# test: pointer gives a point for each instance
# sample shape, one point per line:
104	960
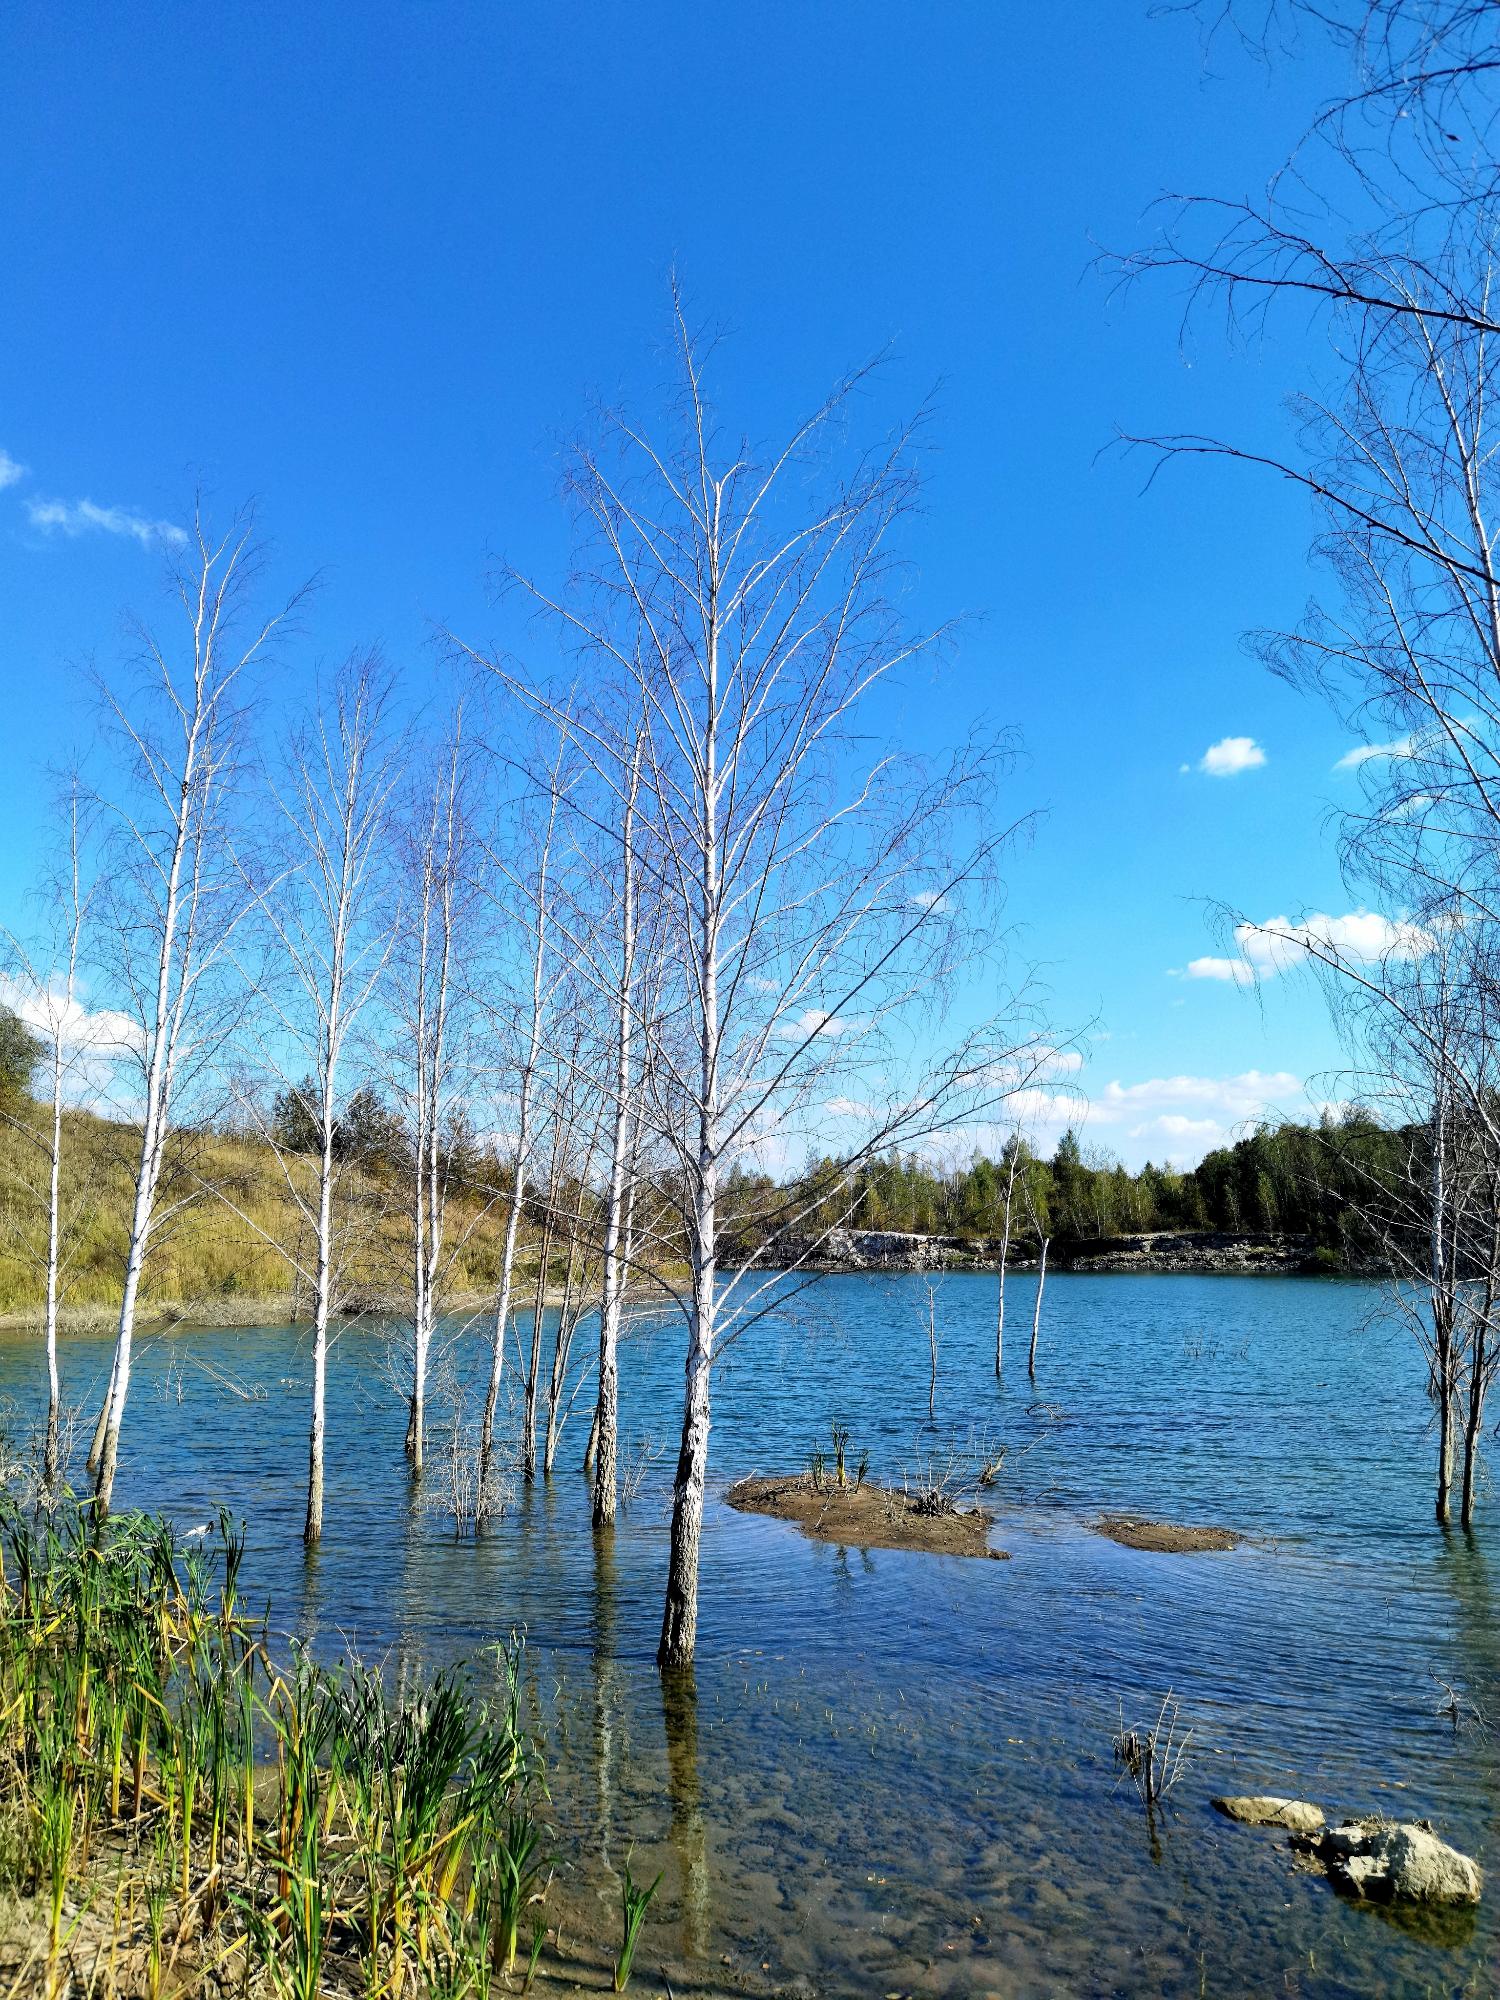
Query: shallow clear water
894	1774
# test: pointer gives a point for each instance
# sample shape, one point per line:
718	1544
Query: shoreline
276	1309
855	1253
1159	1253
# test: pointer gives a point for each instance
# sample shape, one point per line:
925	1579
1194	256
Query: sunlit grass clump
177	1812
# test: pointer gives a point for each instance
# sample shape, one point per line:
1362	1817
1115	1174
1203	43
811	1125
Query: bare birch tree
624	1118
431	1055
1035	1216
173	896
1389	239
812	902
73	1043
1423	1016
326	904
1007	1210
523	887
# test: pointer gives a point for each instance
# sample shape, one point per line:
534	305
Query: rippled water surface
893	1774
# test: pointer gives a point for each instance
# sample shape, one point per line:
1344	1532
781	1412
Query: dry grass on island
861	1514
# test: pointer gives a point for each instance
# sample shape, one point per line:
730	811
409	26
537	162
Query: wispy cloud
1367	753
80	517
848	1107
813	1024
1231	755
11	469
1172	1118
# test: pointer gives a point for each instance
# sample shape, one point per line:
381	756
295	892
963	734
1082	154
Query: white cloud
1180	1118
1172	1125
94	1043
848	1107
50	1012
11	470
1231	755
1245	1095
77	517
1059	1062
1053	1109
1176	1119
1361	936
1233	970
1366	753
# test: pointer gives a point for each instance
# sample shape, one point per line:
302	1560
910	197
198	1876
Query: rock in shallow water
1404	1862
1261	1809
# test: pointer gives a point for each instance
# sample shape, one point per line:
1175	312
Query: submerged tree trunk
1481	1370
562	1346
606	1430
113	1413
1443	1499
416	1405
502	1307
1010	1189
54	1196
1036	1311
1444	1384
534	1362
442	858
523	1147
312	1530
679	1625
1473	1432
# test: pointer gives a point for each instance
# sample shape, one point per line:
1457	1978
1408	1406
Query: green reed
634	1903
275	1820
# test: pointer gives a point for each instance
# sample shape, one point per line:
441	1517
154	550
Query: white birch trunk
1010	1188
679	1627
148	1169
606	1432
1036	1311
523	1158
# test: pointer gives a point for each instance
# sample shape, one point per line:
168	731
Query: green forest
1335	1183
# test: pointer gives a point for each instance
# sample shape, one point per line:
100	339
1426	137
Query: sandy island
865	1517
1167	1538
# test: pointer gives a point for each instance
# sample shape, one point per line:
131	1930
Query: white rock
1407	1863
1263	1809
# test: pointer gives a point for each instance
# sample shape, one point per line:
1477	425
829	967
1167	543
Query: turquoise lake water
894	1772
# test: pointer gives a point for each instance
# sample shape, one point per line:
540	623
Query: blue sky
368	264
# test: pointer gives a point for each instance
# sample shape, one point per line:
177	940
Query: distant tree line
1333	1183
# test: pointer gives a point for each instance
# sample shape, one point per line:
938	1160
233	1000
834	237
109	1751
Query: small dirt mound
867	1516
1166	1538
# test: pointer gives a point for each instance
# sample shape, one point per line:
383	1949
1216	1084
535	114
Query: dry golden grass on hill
229	1240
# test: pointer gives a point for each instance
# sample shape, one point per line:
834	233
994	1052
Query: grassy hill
232	1235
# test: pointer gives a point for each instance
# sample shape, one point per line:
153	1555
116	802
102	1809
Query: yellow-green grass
236	1238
